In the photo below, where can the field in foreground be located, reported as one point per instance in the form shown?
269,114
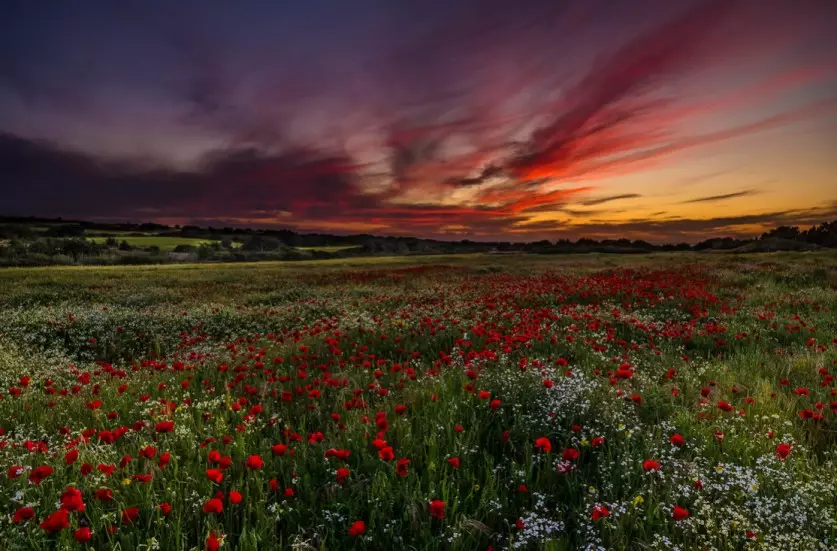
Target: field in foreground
676,401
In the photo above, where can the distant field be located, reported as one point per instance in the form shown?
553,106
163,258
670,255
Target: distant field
115,233
165,243
327,248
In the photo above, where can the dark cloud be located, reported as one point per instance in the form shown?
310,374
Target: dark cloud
23,74
488,172
723,197
602,200
541,225
41,179
588,213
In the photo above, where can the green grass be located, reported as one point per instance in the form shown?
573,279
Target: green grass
327,248
114,233
165,243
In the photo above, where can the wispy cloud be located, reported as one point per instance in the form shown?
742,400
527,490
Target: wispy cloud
602,200
723,197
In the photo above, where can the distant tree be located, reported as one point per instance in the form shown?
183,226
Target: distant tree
261,243
125,246
207,251
65,230
21,231
641,244
783,232
824,234
719,243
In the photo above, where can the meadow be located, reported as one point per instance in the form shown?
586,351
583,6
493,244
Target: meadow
163,242
465,402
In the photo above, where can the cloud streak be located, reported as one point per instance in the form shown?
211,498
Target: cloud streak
722,197
603,200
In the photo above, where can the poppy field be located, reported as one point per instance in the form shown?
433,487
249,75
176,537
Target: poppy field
678,401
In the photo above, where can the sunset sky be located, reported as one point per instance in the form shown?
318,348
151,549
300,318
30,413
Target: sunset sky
479,119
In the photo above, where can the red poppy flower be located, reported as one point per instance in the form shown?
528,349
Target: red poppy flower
342,455
357,528
83,535
783,451
651,465
38,474
235,497
164,426
454,462
677,440
599,511
401,468
386,453
215,475
254,462
569,454
543,444
56,522
130,515
165,508
213,506
148,452
679,513
71,499
164,460
342,474
23,514
212,542
437,509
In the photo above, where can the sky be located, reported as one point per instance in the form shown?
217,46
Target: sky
516,120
